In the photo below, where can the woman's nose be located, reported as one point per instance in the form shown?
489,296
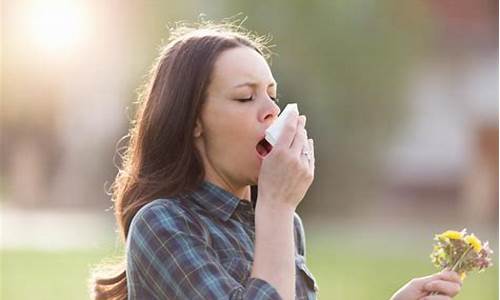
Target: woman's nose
271,111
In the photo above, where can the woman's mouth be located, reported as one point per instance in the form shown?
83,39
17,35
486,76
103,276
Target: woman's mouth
263,147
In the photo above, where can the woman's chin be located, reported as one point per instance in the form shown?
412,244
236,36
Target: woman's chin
254,175
254,181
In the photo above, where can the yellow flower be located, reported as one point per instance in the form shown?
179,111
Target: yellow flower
474,242
452,234
463,275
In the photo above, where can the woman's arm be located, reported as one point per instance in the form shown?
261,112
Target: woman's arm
274,257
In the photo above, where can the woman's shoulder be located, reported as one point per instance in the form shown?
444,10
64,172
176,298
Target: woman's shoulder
171,205
160,207
165,214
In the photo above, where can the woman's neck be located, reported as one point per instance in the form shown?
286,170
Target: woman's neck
217,177
240,191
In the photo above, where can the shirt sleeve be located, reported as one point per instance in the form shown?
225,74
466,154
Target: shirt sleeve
300,237
168,256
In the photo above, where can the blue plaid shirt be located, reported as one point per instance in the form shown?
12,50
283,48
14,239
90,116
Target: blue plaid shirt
200,246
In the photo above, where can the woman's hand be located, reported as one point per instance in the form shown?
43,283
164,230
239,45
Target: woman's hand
286,173
446,283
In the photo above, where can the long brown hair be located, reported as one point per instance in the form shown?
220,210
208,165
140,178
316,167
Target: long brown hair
160,159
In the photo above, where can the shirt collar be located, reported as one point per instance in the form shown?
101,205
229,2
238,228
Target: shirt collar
216,200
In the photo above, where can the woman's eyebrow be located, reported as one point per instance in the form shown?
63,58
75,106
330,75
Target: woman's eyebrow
254,84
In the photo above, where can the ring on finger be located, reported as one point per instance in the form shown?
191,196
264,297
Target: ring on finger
307,153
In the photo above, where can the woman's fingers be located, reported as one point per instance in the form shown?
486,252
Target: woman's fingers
289,129
447,283
448,288
450,276
300,139
443,275
435,297
312,159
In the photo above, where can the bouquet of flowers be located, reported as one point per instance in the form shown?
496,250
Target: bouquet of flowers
459,252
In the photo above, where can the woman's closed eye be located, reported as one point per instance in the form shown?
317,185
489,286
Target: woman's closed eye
245,99
275,99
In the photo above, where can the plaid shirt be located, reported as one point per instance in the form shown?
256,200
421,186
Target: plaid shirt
200,246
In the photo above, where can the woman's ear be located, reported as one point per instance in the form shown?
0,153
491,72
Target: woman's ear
197,128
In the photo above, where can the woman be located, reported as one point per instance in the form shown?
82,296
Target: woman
194,228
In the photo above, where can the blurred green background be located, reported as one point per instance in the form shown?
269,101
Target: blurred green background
401,99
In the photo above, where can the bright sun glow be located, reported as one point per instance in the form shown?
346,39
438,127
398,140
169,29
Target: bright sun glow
58,25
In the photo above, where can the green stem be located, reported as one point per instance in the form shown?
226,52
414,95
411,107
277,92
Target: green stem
457,263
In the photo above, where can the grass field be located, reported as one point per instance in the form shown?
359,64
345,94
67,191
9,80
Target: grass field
345,269
366,270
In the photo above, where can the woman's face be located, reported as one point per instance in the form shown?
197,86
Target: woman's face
238,109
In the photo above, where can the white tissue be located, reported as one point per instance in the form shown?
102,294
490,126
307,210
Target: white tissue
274,131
